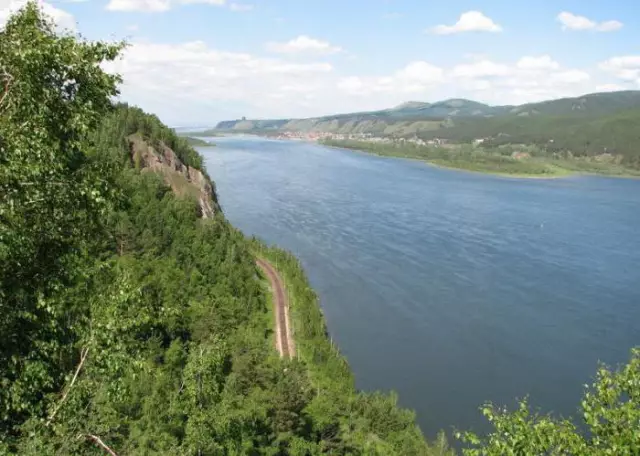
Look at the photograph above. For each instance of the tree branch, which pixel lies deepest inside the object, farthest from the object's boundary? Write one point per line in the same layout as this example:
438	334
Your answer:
8	79
98	441
83	357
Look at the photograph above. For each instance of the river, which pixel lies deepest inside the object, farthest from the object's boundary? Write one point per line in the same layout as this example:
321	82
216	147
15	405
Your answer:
450	288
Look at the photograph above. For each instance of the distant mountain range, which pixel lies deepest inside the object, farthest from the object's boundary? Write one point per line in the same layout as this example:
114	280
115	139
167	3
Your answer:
415	117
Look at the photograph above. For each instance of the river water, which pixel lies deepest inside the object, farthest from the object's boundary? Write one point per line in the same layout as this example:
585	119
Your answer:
450	288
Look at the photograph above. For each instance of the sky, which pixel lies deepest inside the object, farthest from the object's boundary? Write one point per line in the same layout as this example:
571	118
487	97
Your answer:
196	62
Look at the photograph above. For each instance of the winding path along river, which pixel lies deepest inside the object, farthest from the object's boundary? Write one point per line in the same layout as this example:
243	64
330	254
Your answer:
284	337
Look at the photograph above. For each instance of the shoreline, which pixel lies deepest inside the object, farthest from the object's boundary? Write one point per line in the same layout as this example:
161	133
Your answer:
566	173
463	170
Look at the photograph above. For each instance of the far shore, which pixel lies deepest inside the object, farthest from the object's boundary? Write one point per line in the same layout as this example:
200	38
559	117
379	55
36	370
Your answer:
558	175
560	172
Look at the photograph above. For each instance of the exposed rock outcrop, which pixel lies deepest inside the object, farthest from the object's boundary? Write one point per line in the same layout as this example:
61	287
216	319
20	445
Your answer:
183	180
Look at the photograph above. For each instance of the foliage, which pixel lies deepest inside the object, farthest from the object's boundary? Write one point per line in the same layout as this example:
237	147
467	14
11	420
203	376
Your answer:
610	411
343	418
491	158
53	196
462	157
132	120
126	319
564	136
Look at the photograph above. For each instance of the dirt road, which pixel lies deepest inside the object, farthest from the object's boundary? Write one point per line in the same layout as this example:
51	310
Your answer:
284	339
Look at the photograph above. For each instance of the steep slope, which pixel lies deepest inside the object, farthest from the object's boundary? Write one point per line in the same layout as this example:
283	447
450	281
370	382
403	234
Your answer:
184	180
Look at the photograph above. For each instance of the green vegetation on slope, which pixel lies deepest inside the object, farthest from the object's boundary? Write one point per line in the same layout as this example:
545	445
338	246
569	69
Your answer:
566	136
373	422
532	161
128	321
465	157
416	117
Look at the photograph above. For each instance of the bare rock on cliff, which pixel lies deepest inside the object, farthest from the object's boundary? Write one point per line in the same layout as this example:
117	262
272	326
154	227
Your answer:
183	180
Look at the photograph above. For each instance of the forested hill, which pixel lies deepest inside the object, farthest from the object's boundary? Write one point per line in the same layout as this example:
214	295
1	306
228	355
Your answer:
130	323
615	134
415	117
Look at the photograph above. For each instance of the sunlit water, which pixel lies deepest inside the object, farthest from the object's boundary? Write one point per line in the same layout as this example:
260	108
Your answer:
450	288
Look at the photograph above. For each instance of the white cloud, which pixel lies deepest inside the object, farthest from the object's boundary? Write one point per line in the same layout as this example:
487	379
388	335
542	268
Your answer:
569	77
240	7
195	82
471	21
133	27
609	26
160	6
415	78
192	81
480	69
151	6
531	78
303	44
625	67
572	21
205	2
610	87
193	74
62	19
543	62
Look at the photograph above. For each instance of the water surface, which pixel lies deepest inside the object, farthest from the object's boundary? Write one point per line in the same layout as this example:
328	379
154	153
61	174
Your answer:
451	288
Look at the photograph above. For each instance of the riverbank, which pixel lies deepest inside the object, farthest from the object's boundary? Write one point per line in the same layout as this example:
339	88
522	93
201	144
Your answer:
479	161
197	142
331	377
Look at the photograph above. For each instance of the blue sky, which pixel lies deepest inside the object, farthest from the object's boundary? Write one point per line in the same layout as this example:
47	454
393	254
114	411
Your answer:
200	61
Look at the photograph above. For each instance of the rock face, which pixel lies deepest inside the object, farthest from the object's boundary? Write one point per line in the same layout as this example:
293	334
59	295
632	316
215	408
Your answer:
183	180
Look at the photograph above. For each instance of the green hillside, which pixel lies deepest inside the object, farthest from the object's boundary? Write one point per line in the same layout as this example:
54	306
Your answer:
414	117
133	322
581	135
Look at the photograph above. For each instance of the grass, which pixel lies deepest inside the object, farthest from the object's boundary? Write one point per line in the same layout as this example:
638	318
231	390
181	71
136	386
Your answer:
468	158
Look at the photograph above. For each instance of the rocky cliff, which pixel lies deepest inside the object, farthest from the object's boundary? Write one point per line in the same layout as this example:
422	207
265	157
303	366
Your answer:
183	180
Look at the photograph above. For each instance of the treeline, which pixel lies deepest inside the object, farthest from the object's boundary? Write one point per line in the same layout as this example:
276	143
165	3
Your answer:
464	157
129	120
567	135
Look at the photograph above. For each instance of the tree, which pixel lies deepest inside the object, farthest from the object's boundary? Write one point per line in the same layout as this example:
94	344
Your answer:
610	411
52	196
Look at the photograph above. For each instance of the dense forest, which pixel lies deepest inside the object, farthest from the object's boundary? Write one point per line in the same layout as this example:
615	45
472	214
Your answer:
130	325
565	135
127	321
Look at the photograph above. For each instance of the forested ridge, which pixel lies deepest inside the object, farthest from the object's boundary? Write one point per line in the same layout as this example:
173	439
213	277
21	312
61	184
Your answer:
127	321
130	325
